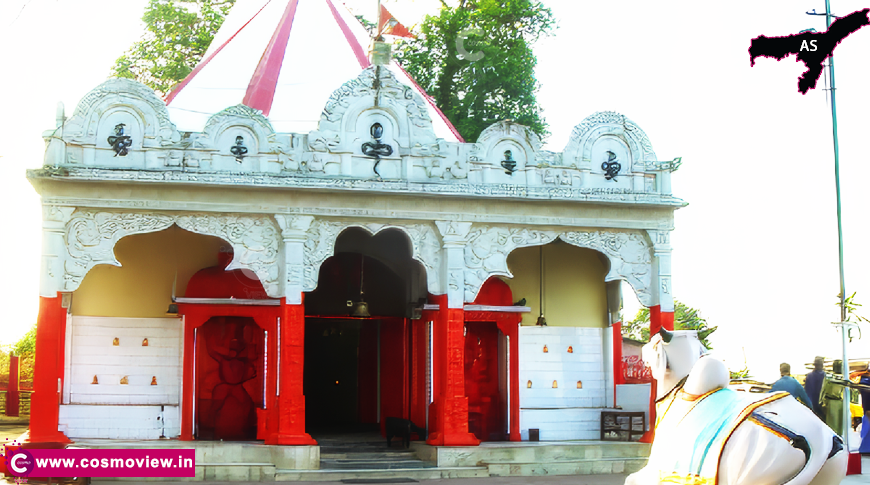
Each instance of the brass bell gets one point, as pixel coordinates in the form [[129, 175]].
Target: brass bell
[[360, 309]]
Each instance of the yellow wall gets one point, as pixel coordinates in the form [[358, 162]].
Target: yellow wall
[[142, 286], [574, 288]]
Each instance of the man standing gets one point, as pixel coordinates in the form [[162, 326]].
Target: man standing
[[790, 385], [831, 399], [813, 385]]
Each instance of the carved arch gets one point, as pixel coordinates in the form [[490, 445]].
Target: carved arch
[[602, 123], [238, 116], [353, 98], [157, 129], [320, 245], [629, 253], [90, 238]]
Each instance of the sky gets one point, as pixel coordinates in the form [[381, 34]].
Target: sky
[[756, 248]]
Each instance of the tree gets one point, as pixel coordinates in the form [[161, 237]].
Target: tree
[[685, 318], [476, 61], [178, 32], [26, 345]]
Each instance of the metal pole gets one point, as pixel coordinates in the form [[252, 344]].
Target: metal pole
[[847, 417]]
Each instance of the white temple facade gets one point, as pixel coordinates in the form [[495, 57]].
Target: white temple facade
[[381, 201]]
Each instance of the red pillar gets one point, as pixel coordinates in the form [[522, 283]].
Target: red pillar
[[618, 373], [48, 372], [657, 320], [12, 394], [451, 405], [291, 402], [510, 327]]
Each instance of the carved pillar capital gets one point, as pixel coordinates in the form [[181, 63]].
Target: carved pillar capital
[[54, 220], [454, 238], [662, 290], [294, 231], [293, 226]]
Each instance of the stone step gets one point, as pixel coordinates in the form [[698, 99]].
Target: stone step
[[401, 455], [386, 464], [410, 473], [524, 452], [600, 466], [214, 472]]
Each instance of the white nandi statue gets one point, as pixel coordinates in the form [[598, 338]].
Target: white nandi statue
[[709, 434]]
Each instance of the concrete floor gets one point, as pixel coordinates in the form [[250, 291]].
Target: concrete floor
[[10, 431]]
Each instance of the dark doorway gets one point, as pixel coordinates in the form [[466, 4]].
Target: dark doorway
[[332, 381], [230, 363], [483, 383]]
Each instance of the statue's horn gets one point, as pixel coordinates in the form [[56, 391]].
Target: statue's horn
[[666, 335]]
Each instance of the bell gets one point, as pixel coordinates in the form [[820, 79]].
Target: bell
[[360, 309], [173, 309], [542, 322]]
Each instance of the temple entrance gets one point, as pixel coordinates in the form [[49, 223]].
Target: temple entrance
[[229, 373], [358, 368]]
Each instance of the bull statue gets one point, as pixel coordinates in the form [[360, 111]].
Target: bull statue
[[708, 434]]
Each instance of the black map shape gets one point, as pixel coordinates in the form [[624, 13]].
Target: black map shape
[[782, 47]]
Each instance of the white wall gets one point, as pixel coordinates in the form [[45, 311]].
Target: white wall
[[634, 398], [110, 409], [565, 412], [119, 422]]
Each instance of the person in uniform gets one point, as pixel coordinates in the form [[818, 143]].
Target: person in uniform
[[831, 399]]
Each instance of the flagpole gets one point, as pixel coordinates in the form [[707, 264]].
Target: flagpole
[[847, 412]]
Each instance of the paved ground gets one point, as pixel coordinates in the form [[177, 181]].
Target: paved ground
[[11, 430], [550, 480]]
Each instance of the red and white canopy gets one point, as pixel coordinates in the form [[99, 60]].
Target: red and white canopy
[[284, 58]]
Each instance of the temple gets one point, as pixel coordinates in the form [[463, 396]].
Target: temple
[[298, 240]]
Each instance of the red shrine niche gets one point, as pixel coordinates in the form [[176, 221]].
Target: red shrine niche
[[230, 363], [228, 368]]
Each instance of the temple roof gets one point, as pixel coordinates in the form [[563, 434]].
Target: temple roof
[[284, 58]]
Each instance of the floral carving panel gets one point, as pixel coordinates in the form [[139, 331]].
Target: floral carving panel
[[488, 247], [90, 238]]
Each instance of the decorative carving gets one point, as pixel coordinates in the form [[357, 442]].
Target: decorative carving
[[611, 166], [509, 164], [488, 247], [255, 240], [240, 115], [577, 152], [376, 86], [376, 149], [513, 191], [239, 150], [81, 127], [320, 244], [91, 236], [119, 141]]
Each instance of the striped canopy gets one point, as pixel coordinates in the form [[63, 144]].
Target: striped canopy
[[284, 58]]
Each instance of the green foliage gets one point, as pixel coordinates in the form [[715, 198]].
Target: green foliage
[[178, 32], [852, 309], [685, 318], [498, 86], [370, 26], [27, 344]]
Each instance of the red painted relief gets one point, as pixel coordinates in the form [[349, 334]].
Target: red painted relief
[[229, 381]]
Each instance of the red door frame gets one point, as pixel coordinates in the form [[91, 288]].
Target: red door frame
[[508, 323], [197, 314]]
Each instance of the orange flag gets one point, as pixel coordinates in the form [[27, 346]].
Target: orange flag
[[390, 26]]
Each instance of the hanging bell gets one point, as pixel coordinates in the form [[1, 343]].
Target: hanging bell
[[360, 309]]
